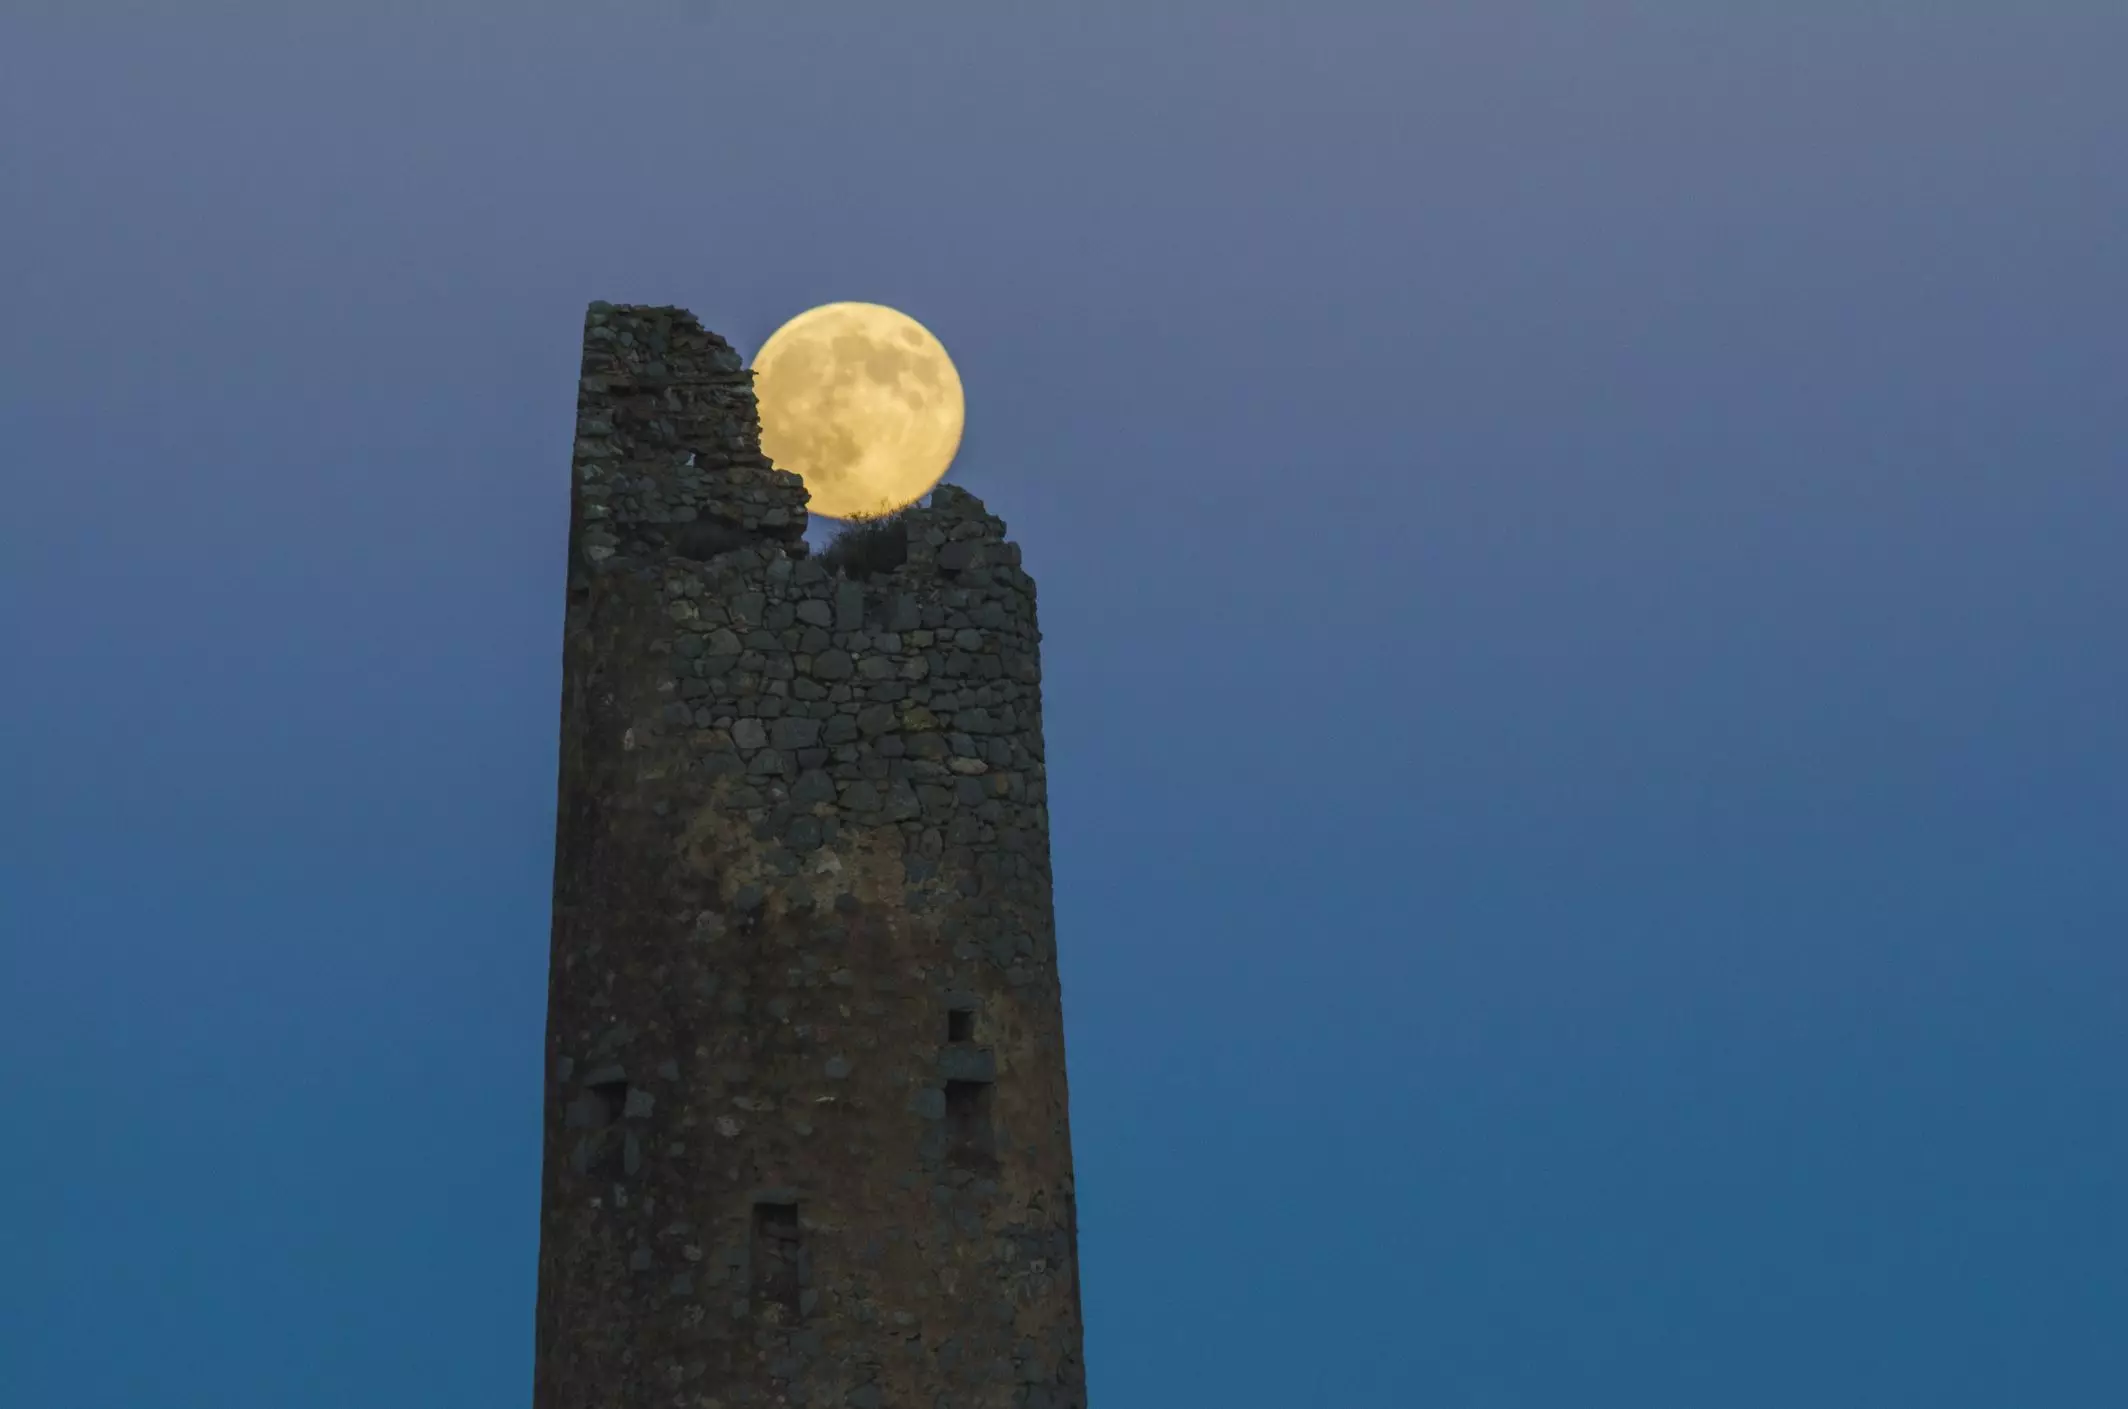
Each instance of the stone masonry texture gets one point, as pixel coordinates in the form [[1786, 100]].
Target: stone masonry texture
[[806, 1138]]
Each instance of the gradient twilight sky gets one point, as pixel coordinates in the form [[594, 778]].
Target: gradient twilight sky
[[1581, 554]]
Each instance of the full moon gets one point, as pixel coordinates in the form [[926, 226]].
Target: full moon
[[862, 403]]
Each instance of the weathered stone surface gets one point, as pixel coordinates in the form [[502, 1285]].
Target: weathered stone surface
[[806, 1136]]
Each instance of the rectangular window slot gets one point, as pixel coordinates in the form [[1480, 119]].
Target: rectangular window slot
[[778, 1244], [960, 1025], [969, 1143]]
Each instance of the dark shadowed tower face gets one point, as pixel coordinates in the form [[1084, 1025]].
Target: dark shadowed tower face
[[806, 1139]]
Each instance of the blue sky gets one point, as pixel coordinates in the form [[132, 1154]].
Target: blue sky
[[1580, 554]]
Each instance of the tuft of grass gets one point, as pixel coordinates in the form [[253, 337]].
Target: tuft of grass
[[866, 547]]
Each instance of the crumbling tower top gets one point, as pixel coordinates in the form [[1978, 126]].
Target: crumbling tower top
[[668, 436]]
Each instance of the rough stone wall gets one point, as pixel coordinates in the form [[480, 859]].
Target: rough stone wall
[[806, 1135]]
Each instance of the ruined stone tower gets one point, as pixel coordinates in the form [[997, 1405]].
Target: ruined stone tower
[[806, 1139]]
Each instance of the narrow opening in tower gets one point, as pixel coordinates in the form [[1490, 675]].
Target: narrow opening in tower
[[969, 1141], [960, 1025], [613, 1099], [778, 1245]]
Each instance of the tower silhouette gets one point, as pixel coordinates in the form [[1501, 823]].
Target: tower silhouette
[[806, 1137]]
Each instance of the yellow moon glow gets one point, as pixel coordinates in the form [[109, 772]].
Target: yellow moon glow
[[861, 401]]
